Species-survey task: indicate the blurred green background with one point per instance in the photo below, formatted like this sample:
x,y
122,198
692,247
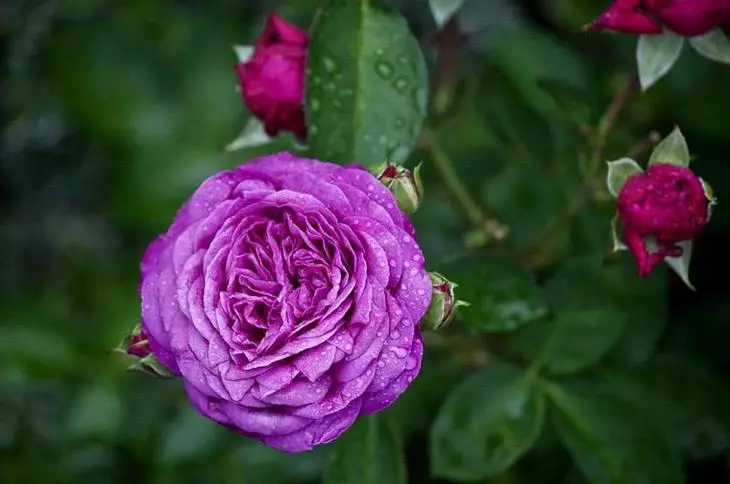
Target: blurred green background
x,y
113,112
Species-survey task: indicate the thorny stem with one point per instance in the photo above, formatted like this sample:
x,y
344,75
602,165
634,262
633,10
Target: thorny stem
x,y
608,120
590,169
448,41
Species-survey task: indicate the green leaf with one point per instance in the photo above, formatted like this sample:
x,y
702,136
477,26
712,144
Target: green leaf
x,y
443,10
96,412
252,462
672,150
251,135
655,56
489,421
616,234
366,85
589,282
680,264
573,340
609,439
618,172
710,195
690,402
368,453
714,45
243,52
503,295
188,436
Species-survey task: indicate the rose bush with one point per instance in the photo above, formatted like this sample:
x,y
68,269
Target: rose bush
x,y
667,203
287,294
272,80
684,17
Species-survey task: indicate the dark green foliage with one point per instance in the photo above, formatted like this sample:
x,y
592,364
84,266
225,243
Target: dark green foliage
x,y
566,368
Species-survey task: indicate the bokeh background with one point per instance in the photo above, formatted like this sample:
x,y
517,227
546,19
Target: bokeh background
x,y
112,112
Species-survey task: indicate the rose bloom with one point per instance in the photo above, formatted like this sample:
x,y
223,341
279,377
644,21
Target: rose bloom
x,y
667,203
288,294
272,81
688,18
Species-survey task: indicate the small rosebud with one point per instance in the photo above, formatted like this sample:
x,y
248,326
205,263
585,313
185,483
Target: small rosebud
x,y
405,185
272,80
687,18
660,208
443,303
137,345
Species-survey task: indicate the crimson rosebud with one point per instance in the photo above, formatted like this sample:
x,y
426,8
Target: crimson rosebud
x,y
405,185
139,345
443,302
659,208
688,18
272,81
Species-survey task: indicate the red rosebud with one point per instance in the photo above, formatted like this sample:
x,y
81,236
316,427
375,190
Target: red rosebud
x,y
685,17
659,208
272,81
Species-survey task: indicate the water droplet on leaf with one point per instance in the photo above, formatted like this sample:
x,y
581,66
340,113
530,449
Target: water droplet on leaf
x,y
384,69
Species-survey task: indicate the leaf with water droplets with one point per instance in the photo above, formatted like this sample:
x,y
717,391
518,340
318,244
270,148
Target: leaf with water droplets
x,y
680,264
488,422
368,453
655,56
367,84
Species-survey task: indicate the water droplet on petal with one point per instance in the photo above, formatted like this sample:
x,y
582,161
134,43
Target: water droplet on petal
x,y
395,334
399,352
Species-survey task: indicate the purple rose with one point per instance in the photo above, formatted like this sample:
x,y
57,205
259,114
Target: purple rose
x,y
288,294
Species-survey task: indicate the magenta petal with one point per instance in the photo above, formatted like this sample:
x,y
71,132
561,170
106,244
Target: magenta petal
x,y
262,421
318,432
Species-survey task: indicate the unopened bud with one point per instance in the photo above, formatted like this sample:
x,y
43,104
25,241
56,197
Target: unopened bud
x,y
443,303
405,185
136,345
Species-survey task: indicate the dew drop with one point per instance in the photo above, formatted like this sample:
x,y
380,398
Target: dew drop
x,y
395,334
329,64
314,104
399,352
379,52
381,363
384,69
400,84
419,99
399,122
